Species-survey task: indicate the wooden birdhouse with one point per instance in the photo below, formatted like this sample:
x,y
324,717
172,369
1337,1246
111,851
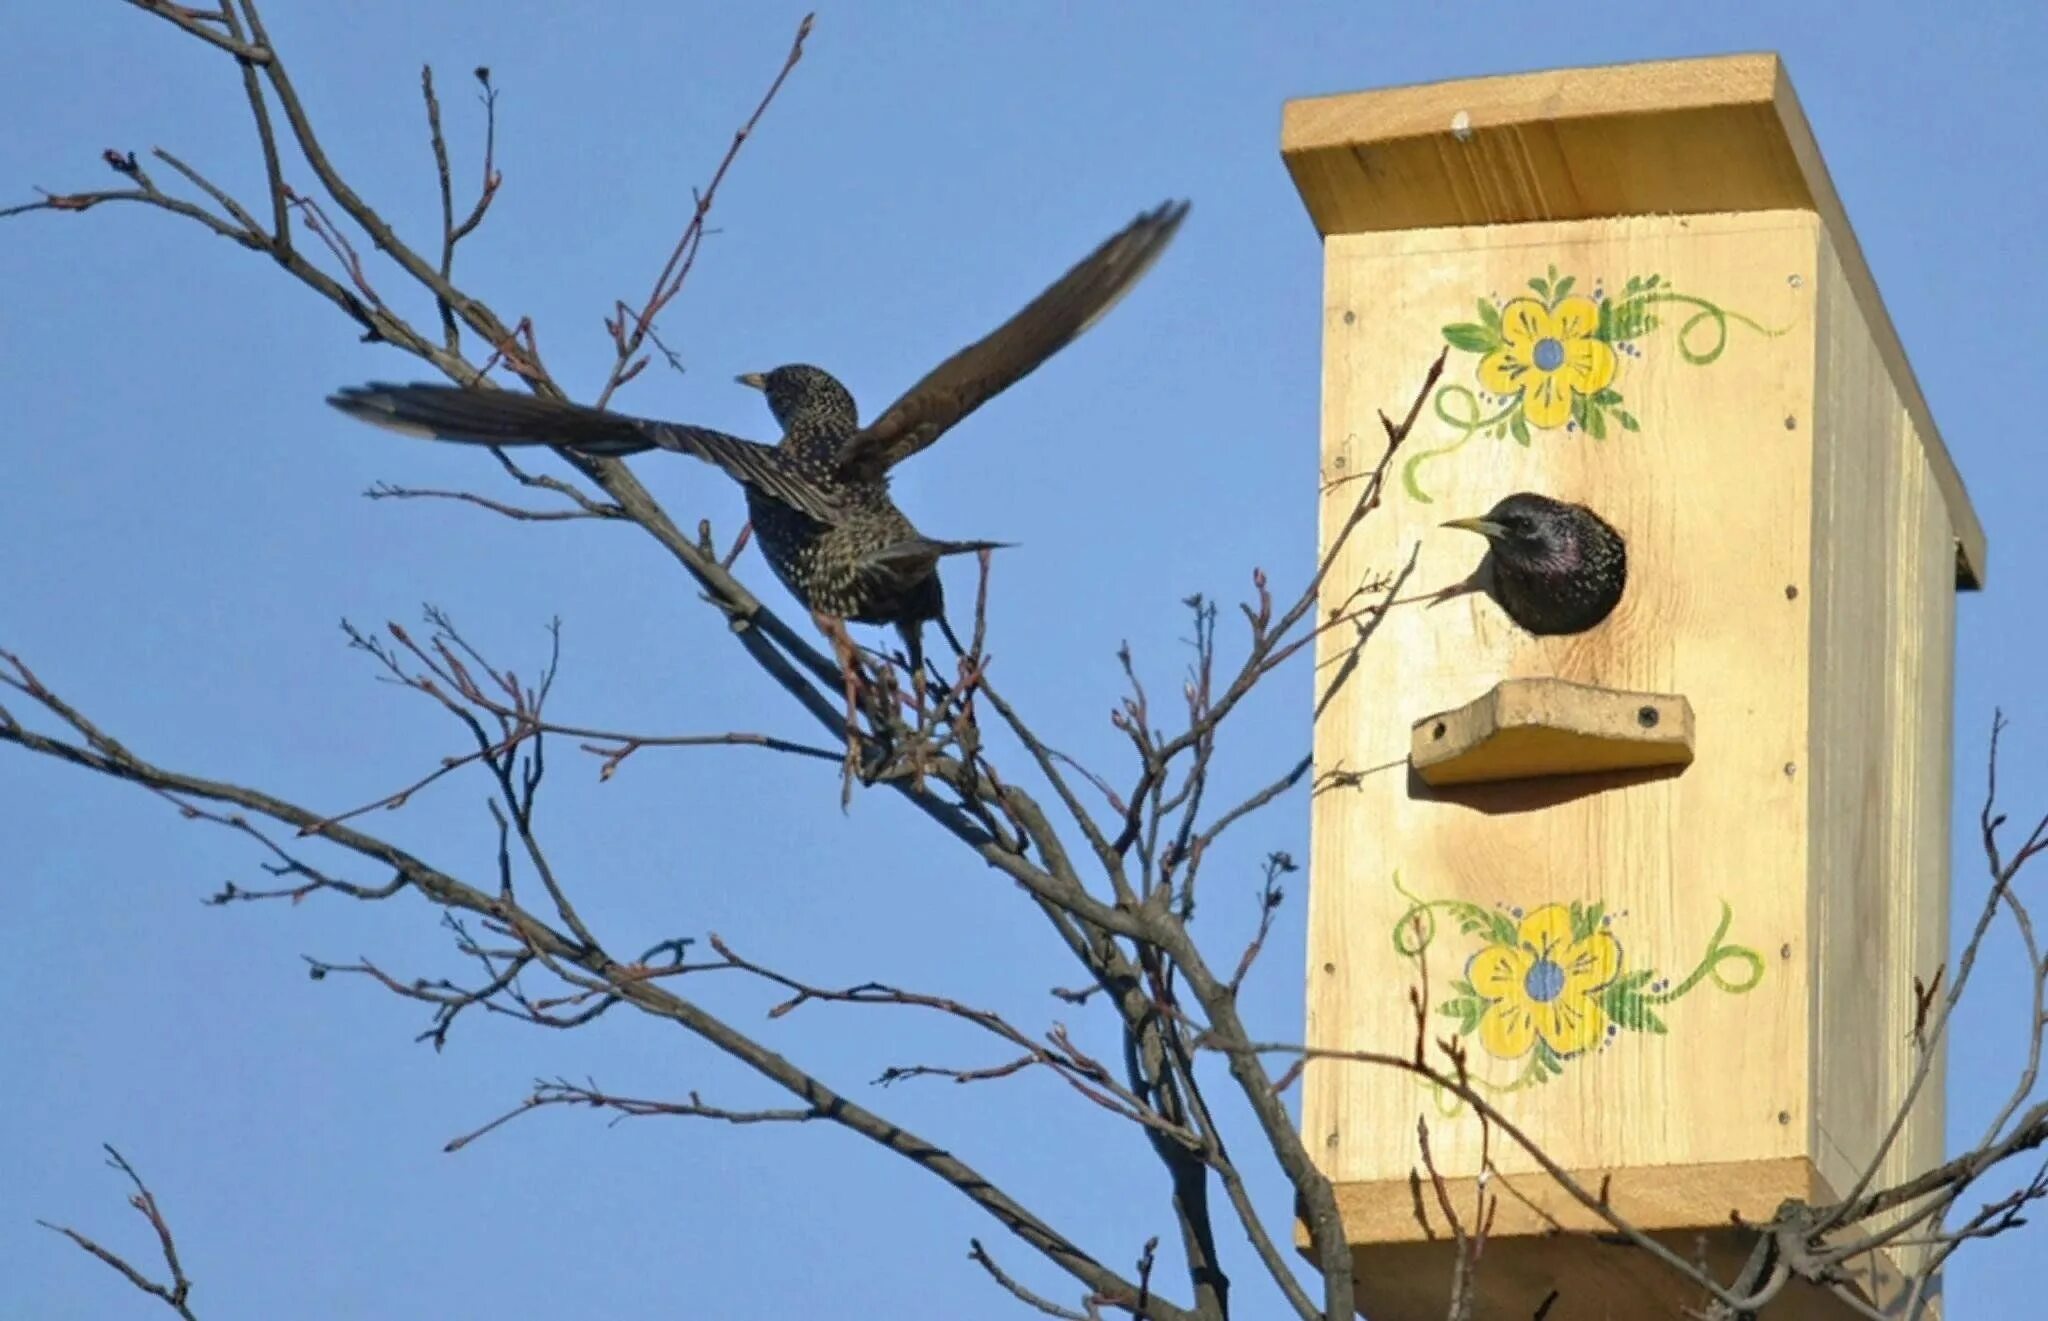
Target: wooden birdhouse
x,y
1667,881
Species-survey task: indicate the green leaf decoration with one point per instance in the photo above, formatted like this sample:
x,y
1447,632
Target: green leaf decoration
x,y
1627,320
1635,980
1467,1009
1632,1001
1627,313
1472,338
1626,1003
1472,919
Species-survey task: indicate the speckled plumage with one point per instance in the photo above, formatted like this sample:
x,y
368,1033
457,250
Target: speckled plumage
x,y
868,564
1557,567
819,500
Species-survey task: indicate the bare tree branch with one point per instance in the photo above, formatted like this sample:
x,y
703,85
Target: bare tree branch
x,y
97,752
177,1292
1113,863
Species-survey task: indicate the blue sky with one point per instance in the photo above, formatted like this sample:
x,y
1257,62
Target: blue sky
x,y
182,530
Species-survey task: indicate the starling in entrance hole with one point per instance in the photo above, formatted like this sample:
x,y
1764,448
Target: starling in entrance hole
x,y
1557,567
819,500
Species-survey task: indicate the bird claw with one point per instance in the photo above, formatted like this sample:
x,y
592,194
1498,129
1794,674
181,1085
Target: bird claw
x,y
871,753
848,656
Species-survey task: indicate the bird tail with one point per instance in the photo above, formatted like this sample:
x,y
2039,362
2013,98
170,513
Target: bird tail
x,y
491,417
941,548
917,556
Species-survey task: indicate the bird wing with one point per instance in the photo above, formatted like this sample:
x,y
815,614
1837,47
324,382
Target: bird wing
x,y
492,417
987,367
762,467
503,417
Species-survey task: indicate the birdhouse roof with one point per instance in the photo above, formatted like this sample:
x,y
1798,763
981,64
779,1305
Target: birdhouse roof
x,y
1670,137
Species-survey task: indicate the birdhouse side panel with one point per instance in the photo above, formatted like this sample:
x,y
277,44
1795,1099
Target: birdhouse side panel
x,y
1622,955
1881,762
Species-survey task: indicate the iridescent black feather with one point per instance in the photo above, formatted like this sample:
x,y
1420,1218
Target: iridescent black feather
x,y
1557,567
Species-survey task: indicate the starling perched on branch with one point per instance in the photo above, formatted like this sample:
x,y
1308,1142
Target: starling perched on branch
x,y
819,500
1557,567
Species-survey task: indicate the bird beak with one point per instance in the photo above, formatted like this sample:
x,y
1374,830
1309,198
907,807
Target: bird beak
x,y
754,379
1484,527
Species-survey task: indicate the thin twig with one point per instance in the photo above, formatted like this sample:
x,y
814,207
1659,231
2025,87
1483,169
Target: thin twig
x,y
979,1256
630,332
173,1295
392,491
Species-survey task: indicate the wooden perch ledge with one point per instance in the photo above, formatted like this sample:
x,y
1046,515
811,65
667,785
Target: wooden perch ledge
x,y
1524,728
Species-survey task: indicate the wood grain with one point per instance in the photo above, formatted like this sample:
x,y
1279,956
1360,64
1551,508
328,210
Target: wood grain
x,y
1521,729
1881,699
1788,547
1673,137
1405,1271
1714,497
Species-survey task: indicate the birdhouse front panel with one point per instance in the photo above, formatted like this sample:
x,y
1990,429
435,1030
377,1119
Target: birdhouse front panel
x,y
1621,949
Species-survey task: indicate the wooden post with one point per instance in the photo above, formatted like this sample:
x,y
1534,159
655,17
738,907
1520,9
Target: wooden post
x,y
1682,959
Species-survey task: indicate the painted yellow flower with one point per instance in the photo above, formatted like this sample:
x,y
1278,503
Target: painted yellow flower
x,y
1545,985
1546,356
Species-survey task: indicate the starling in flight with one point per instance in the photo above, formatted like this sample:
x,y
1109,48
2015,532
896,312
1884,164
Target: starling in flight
x,y
1557,567
819,500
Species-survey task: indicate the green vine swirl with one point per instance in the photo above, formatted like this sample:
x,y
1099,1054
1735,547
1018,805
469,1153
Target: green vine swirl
x,y
1468,426
1718,953
1701,338
1708,312
1627,999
